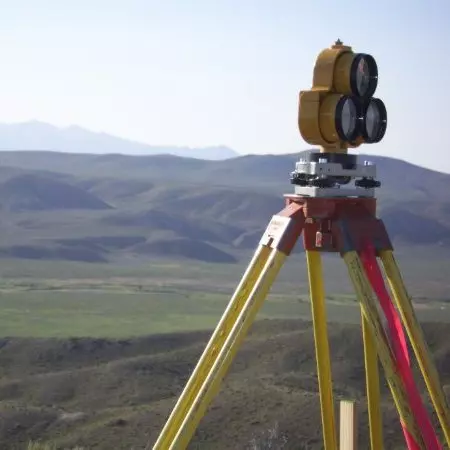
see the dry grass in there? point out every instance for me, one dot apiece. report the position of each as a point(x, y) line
point(271, 439)
point(41, 446)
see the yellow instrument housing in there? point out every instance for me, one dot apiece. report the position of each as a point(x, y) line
point(316, 115)
point(327, 117)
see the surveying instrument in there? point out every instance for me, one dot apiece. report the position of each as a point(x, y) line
point(334, 207)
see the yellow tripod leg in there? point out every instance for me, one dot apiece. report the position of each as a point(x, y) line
point(214, 378)
point(372, 386)
point(281, 233)
point(418, 342)
point(318, 309)
point(215, 343)
point(364, 294)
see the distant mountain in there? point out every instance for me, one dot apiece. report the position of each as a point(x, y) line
point(36, 135)
point(102, 208)
point(35, 192)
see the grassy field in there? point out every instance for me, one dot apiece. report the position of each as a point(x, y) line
point(112, 314)
point(67, 299)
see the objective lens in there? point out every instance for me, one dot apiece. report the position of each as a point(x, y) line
point(363, 75)
point(346, 115)
point(374, 121)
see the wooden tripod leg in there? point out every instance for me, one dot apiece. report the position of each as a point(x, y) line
point(213, 380)
point(276, 243)
point(417, 340)
point(372, 386)
point(365, 297)
point(319, 316)
point(207, 358)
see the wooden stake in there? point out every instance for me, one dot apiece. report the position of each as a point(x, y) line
point(348, 426)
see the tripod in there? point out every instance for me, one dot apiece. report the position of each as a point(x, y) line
point(349, 226)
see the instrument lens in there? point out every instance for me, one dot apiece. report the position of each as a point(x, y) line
point(348, 117)
point(362, 77)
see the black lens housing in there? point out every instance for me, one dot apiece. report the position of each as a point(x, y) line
point(379, 134)
point(338, 118)
point(373, 75)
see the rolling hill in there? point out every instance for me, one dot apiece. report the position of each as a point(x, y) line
point(90, 207)
point(34, 192)
point(105, 393)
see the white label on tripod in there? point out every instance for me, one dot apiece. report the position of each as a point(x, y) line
point(275, 231)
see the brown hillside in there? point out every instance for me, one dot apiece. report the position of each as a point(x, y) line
point(105, 394)
point(34, 192)
point(51, 201)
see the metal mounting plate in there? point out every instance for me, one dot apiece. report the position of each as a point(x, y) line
point(311, 191)
point(335, 169)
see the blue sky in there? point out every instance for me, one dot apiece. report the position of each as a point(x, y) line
point(204, 73)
